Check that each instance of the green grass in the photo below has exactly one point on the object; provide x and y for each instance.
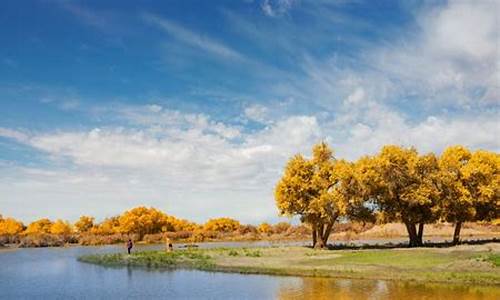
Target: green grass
(494, 259)
(402, 258)
(153, 259)
(468, 265)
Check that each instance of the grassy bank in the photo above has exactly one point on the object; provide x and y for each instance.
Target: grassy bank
(463, 264)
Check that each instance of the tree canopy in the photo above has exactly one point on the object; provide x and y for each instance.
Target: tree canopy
(395, 185)
(317, 190)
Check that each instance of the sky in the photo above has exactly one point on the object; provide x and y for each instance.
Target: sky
(194, 107)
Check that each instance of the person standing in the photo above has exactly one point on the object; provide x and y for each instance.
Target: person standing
(129, 245)
(168, 244)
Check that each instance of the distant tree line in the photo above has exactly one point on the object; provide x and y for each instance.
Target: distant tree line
(140, 223)
(395, 185)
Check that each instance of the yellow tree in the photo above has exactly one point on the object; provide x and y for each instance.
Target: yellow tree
(175, 224)
(39, 226)
(405, 188)
(471, 183)
(10, 226)
(84, 224)
(61, 227)
(222, 225)
(107, 227)
(348, 191)
(310, 189)
(142, 220)
(482, 175)
(265, 228)
(457, 204)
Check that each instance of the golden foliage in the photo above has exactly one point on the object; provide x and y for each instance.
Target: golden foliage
(318, 190)
(10, 226)
(221, 225)
(397, 184)
(265, 228)
(84, 224)
(107, 227)
(471, 184)
(39, 226)
(61, 227)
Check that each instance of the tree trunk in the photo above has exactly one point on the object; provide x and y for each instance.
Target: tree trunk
(412, 234)
(420, 234)
(326, 234)
(314, 234)
(320, 244)
(456, 234)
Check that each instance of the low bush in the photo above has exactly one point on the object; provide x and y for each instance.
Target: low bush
(9, 239)
(179, 235)
(94, 239)
(44, 240)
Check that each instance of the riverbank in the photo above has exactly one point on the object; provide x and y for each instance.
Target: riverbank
(468, 264)
(344, 234)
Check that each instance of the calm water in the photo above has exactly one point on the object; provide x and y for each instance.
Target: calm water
(54, 273)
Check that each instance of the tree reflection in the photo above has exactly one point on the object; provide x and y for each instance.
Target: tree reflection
(343, 289)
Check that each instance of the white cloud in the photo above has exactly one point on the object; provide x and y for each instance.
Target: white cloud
(452, 61)
(189, 161)
(155, 108)
(356, 97)
(202, 144)
(256, 112)
(184, 165)
(453, 57)
(464, 29)
(366, 129)
(13, 134)
(69, 104)
(274, 8)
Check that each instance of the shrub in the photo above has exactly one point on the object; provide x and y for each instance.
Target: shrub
(281, 227)
(93, 239)
(179, 235)
(246, 229)
(265, 228)
(299, 231)
(222, 225)
(42, 240)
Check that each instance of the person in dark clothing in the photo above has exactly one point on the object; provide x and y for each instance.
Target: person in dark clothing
(129, 245)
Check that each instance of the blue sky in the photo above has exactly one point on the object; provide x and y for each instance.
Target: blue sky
(195, 106)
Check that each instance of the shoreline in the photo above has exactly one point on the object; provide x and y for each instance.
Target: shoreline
(466, 264)
(334, 244)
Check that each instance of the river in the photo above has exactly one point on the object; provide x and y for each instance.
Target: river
(55, 273)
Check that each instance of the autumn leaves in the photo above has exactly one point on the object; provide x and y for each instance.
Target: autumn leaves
(396, 185)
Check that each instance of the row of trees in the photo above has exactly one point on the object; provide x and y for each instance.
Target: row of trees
(395, 185)
(139, 221)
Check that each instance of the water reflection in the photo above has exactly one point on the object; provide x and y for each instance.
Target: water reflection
(323, 288)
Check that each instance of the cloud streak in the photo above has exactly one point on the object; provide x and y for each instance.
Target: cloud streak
(192, 38)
